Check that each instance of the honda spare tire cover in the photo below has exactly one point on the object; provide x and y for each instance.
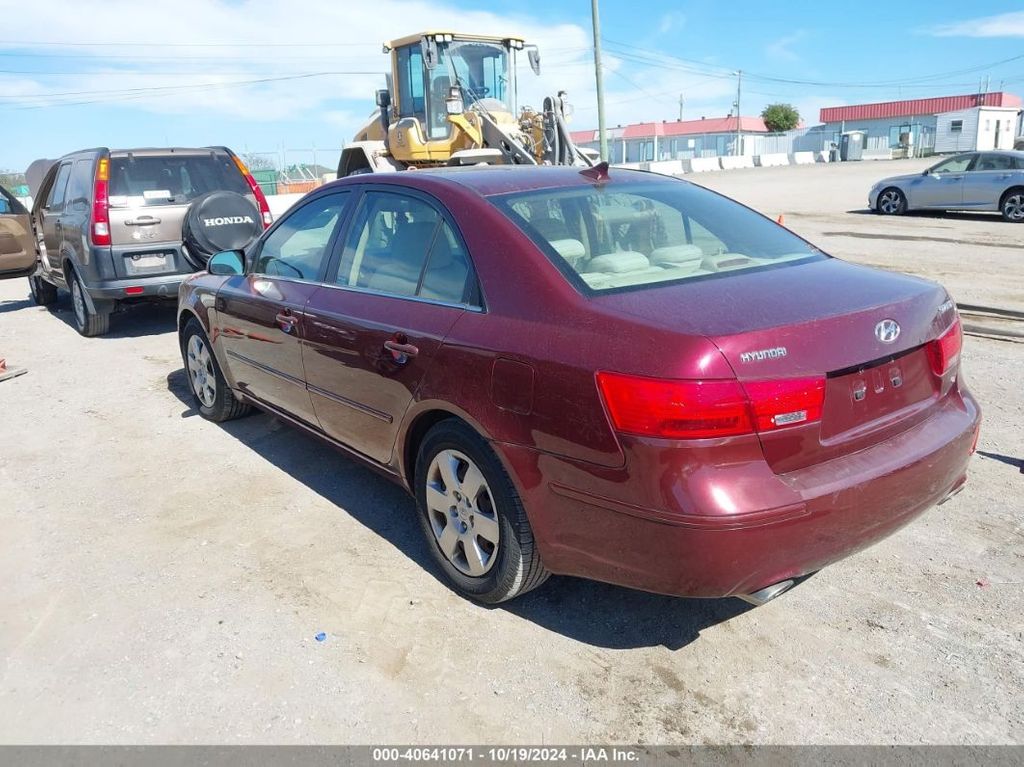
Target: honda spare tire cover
(219, 221)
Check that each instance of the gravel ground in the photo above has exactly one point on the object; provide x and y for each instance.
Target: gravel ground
(165, 578)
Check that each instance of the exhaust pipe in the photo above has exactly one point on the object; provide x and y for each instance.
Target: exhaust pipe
(768, 593)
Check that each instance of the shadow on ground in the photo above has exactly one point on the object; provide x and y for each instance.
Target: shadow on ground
(598, 614)
(990, 217)
(1017, 463)
(133, 321)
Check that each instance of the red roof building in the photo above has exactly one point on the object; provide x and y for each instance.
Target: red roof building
(917, 107)
(675, 128)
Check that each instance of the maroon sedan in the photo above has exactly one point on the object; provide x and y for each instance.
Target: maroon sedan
(613, 375)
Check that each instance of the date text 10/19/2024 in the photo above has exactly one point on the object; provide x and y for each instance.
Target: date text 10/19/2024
(504, 754)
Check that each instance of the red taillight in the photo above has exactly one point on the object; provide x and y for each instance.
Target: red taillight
(261, 199)
(785, 402)
(673, 409)
(99, 230)
(136, 290)
(944, 351)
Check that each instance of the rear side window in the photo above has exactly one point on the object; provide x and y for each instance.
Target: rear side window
(403, 246)
(995, 162)
(636, 235)
(79, 185)
(55, 201)
(171, 179)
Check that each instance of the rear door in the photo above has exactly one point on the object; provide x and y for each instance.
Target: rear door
(260, 316)
(404, 278)
(985, 183)
(17, 242)
(943, 186)
(50, 218)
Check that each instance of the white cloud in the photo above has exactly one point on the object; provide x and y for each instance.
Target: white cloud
(781, 49)
(671, 22)
(1002, 25)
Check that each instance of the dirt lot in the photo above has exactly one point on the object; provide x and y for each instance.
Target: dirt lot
(164, 578)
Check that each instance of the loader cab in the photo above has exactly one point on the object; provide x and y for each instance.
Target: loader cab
(440, 74)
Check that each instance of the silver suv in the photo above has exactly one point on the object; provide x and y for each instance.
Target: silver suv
(120, 226)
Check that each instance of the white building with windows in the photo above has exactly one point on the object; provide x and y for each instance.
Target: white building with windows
(979, 128)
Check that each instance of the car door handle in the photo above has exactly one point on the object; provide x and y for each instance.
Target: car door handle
(400, 350)
(286, 320)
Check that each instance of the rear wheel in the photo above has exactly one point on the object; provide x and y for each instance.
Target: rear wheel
(1012, 205)
(87, 322)
(892, 202)
(214, 399)
(43, 292)
(472, 516)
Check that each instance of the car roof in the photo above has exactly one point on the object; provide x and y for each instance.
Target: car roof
(488, 180)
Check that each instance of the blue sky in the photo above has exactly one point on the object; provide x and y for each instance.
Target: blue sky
(157, 72)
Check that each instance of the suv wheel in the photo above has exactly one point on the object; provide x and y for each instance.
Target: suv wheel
(43, 292)
(214, 399)
(87, 322)
(472, 517)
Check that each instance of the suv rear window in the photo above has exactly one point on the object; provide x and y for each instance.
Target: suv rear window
(634, 235)
(171, 179)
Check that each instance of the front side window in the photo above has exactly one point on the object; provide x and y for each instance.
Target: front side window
(634, 235)
(411, 102)
(299, 245)
(954, 165)
(402, 246)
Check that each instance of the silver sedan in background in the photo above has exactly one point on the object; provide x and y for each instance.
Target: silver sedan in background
(973, 181)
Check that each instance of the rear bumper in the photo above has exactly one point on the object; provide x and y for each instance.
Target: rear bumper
(161, 287)
(828, 511)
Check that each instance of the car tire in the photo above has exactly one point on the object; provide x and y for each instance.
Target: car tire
(476, 527)
(87, 322)
(891, 202)
(213, 397)
(43, 293)
(1012, 205)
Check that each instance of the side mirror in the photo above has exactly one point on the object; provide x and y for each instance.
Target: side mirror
(533, 55)
(383, 99)
(227, 263)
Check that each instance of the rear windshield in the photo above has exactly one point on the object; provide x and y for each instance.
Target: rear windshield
(171, 179)
(636, 235)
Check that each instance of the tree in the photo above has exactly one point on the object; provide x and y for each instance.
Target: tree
(257, 161)
(779, 118)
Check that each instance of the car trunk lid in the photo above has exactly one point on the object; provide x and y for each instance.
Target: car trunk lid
(818, 320)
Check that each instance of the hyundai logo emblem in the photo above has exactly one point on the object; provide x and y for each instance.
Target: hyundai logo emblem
(887, 331)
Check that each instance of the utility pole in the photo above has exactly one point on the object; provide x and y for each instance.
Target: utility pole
(680, 107)
(739, 83)
(596, 19)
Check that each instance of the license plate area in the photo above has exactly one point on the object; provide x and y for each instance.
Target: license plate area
(147, 263)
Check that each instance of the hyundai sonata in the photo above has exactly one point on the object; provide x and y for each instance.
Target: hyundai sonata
(607, 374)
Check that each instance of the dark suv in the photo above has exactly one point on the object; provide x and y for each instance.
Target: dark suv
(119, 226)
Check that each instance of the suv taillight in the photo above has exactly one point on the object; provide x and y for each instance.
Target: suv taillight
(99, 230)
(944, 351)
(261, 199)
(675, 409)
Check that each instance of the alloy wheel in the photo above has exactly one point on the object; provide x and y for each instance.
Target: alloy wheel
(890, 202)
(201, 372)
(461, 511)
(78, 302)
(1013, 207)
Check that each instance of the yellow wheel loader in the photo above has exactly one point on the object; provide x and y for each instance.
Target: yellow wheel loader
(451, 99)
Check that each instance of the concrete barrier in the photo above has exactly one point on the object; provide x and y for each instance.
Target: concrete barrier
(877, 154)
(666, 167)
(771, 160)
(823, 156)
(704, 164)
(803, 158)
(733, 163)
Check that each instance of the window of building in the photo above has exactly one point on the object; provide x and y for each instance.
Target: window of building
(956, 126)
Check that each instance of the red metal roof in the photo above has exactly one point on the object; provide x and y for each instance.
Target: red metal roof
(676, 128)
(917, 107)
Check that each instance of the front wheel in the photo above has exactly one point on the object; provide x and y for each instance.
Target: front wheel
(214, 399)
(892, 202)
(87, 322)
(43, 292)
(472, 517)
(1012, 206)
